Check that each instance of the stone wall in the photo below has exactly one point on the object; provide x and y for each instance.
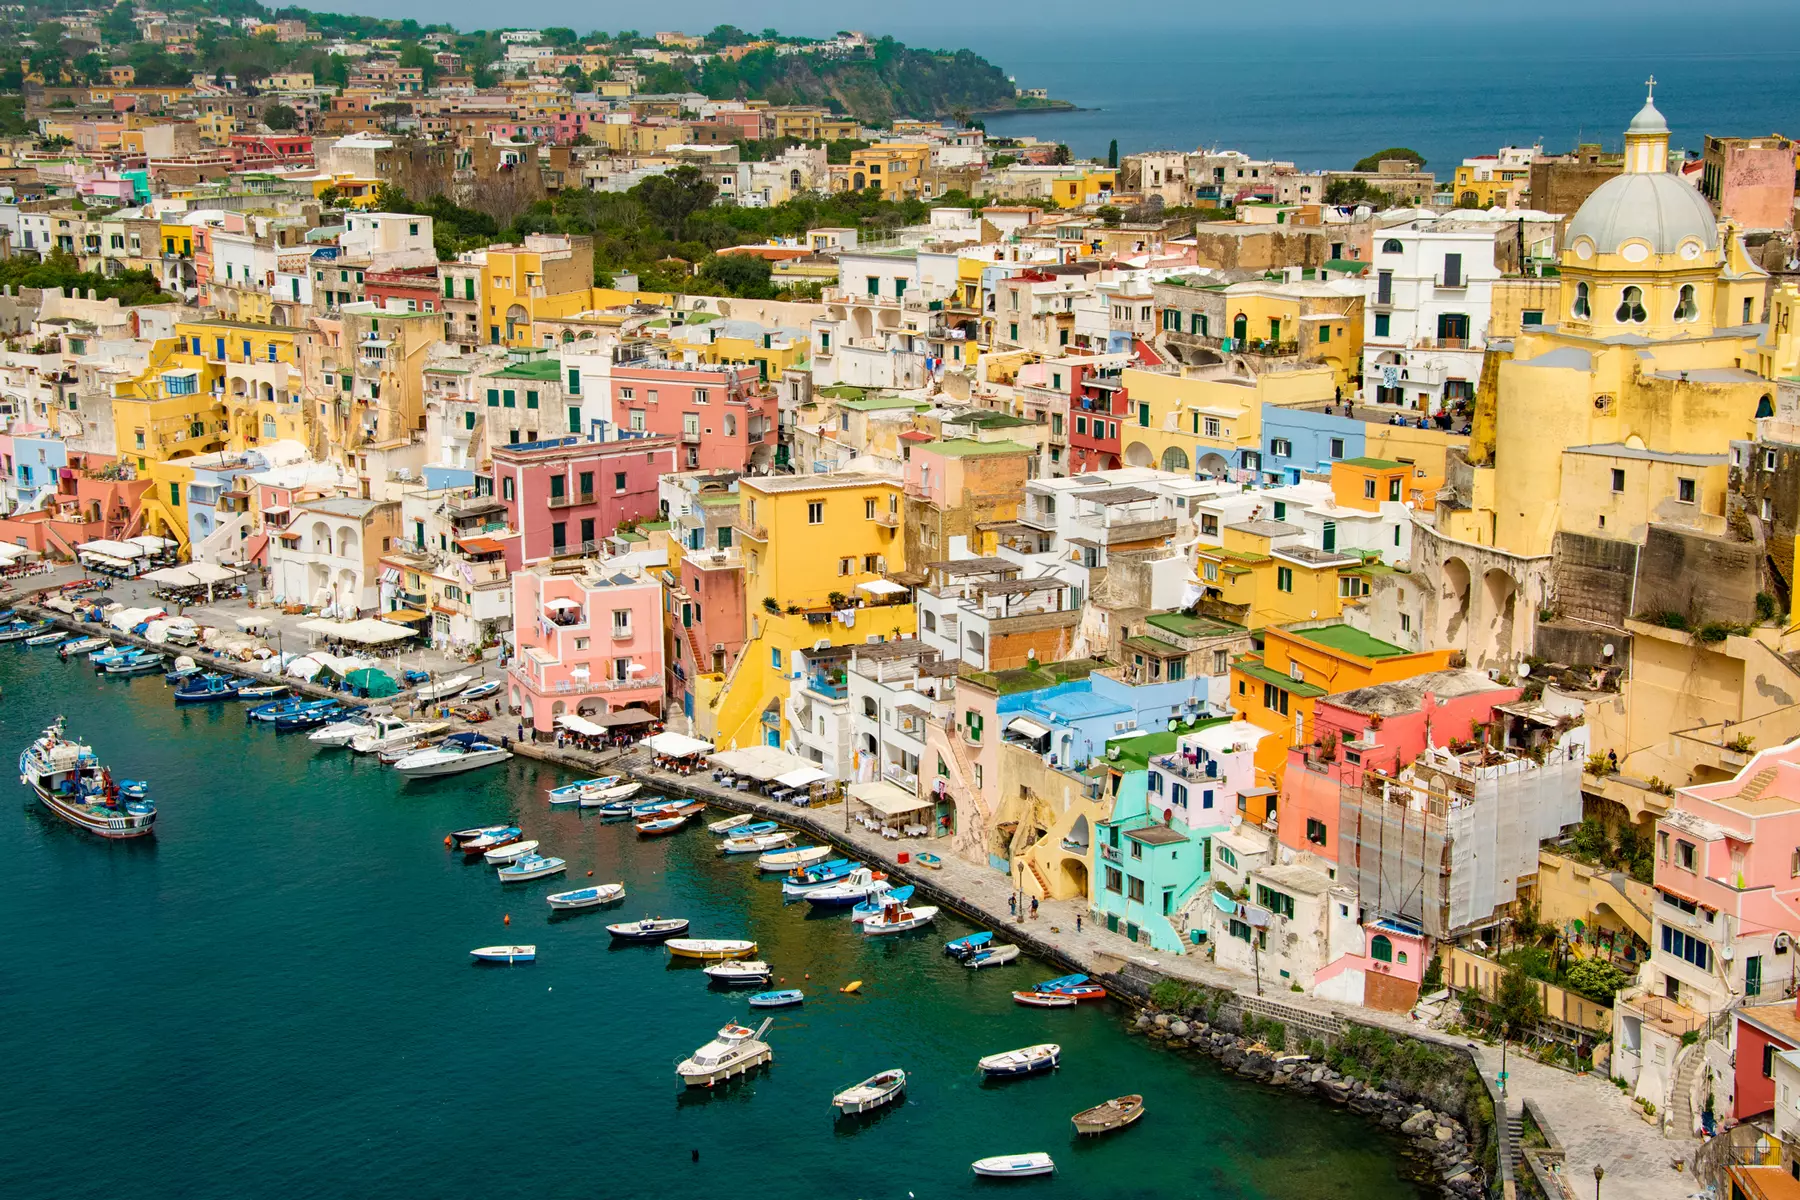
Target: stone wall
(1594, 579)
(1691, 573)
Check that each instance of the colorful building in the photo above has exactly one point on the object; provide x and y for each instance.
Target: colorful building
(588, 640)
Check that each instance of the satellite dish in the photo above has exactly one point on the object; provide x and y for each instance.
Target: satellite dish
(1524, 670)
(1607, 650)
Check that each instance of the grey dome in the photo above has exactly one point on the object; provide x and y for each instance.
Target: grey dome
(1656, 207)
(1648, 120)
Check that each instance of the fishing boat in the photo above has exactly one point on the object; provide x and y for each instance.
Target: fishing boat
(309, 718)
(1076, 987)
(339, 733)
(1086, 991)
(928, 860)
(501, 855)
(587, 897)
(756, 843)
(184, 667)
(734, 973)
(275, 708)
(734, 1051)
(847, 890)
(787, 860)
(482, 690)
(1059, 983)
(205, 688)
(45, 639)
(650, 929)
(737, 824)
(755, 829)
(660, 826)
(804, 881)
(444, 689)
(896, 917)
(457, 753)
(711, 947)
(71, 782)
(262, 691)
(469, 835)
(962, 947)
(390, 732)
(85, 645)
(18, 631)
(1014, 1166)
(481, 843)
(141, 663)
(609, 797)
(878, 899)
(993, 956)
(570, 793)
(1026, 1061)
(871, 1093)
(99, 658)
(785, 998)
(1044, 1000)
(1116, 1113)
(655, 808)
(531, 866)
(504, 954)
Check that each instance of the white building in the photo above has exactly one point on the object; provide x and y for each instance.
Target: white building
(324, 556)
(895, 688)
(389, 240)
(1430, 296)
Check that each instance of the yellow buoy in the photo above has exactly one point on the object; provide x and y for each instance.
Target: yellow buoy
(855, 985)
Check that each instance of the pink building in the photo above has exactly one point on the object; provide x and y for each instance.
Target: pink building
(1380, 727)
(564, 497)
(723, 415)
(586, 640)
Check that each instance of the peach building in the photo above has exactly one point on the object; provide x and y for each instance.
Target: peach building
(588, 638)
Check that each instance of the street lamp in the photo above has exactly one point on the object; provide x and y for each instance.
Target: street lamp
(1599, 1174)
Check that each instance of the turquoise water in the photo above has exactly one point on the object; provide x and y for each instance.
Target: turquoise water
(274, 997)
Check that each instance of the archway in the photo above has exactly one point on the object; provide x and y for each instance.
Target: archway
(1500, 596)
(1214, 465)
(1175, 459)
(1240, 328)
(1138, 455)
(1078, 836)
(1453, 599)
(1074, 873)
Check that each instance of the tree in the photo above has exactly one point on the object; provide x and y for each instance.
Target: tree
(1356, 191)
(744, 275)
(672, 198)
(1061, 156)
(1596, 979)
(1112, 154)
(1110, 215)
(1373, 162)
(280, 116)
(1517, 1006)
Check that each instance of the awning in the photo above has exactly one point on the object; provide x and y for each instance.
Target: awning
(253, 624)
(802, 777)
(481, 545)
(105, 560)
(581, 725)
(888, 799)
(276, 510)
(676, 745)
(10, 553)
(1028, 727)
(880, 587)
(152, 543)
(390, 575)
(406, 616)
(365, 631)
(761, 763)
(561, 605)
(125, 550)
(624, 717)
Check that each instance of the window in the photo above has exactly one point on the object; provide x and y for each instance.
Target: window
(1394, 495)
(1768, 509)
(1134, 888)
(1284, 579)
(1579, 309)
(621, 622)
(1392, 246)
(1749, 310)
(1081, 425)
(1211, 427)
(1368, 489)
(1210, 570)
(506, 488)
(531, 400)
(1531, 317)
(1315, 831)
(1684, 855)
(1222, 663)
(1685, 308)
(1687, 948)
(871, 563)
(508, 399)
(1281, 510)
(1275, 699)
(1281, 448)
(1381, 948)
(574, 382)
(846, 566)
(1337, 447)
(775, 657)
(1631, 307)
(1276, 902)
(559, 536)
(1115, 879)
(815, 512)
(1324, 334)
(1685, 490)
(1383, 325)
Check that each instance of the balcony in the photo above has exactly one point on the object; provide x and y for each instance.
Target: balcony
(621, 635)
(575, 549)
(1450, 283)
(576, 688)
(690, 437)
(822, 686)
(889, 519)
(567, 501)
(905, 779)
(756, 533)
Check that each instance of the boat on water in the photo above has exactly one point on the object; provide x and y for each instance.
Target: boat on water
(469, 835)
(962, 947)
(650, 929)
(482, 690)
(660, 826)
(878, 899)
(309, 718)
(339, 733)
(1044, 1000)
(1059, 983)
(1116, 1113)
(787, 860)
(1014, 1166)
(85, 645)
(736, 1050)
(711, 947)
(756, 843)
(570, 793)
(754, 829)
(455, 754)
(896, 917)
(993, 956)
(804, 881)
(141, 663)
(504, 954)
(277, 708)
(501, 855)
(737, 824)
(208, 687)
(1086, 991)
(737, 973)
(608, 798)
(785, 998)
(262, 691)
(1075, 987)
(873, 1092)
(71, 782)
(531, 866)
(1028, 1060)
(184, 667)
(587, 897)
(390, 732)
(105, 654)
(45, 639)
(18, 631)
(481, 843)
(847, 890)
(444, 689)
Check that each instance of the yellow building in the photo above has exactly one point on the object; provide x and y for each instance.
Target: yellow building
(291, 81)
(217, 127)
(1260, 567)
(1084, 187)
(1298, 318)
(546, 277)
(897, 168)
(351, 191)
(808, 541)
(177, 238)
(1208, 418)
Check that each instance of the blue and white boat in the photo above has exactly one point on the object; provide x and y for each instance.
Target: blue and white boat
(309, 718)
(108, 652)
(482, 690)
(1027, 1061)
(855, 886)
(810, 879)
(587, 897)
(574, 793)
(785, 998)
(962, 947)
(532, 866)
(45, 639)
(1061, 983)
(207, 687)
(18, 631)
(140, 662)
(70, 780)
(281, 708)
(82, 645)
(753, 829)
(878, 899)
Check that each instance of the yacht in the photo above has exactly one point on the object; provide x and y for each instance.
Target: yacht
(391, 733)
(735, 1051)
(455, 754)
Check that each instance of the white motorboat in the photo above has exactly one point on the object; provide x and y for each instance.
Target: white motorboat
(444, 689)
(587, 897)
(734, 972)
(734, 1051)
(857, 886)
(756, 843)
(1026, 1061)
(1014, 1166)
(610, 795)
(532, 866)
(500, 855)
(570, 793)
(993, 956)
(505, 954)
(898, 918)
(455, 754)
(871, 1093)
(341, 733)
(82, 646)
(787, 860)
(391, 733)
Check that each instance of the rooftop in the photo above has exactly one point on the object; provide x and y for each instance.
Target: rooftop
(1029, 679)
(1408, 695)
(1374, 464)
(542, 370)
(1349, 640)
(1183, 625)
(965, 448)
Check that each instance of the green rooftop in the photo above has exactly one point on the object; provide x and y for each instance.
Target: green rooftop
(1145, 644)
(540, 370)
(718, 498)
(842, 391)
(1135, 753)
(992, 420)
(1347, 265)
(1374, 464)
(1182, 625)
(965, 448)
(881, 404)
(1349, 640)
(1031, 679)
(1253, 667)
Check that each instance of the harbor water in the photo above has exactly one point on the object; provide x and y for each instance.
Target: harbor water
(274, 997)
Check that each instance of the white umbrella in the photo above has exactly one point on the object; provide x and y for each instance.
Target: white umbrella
(560, 605)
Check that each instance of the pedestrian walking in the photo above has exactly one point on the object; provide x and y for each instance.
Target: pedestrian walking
(1012, 905)
(1034, 908)
(1077, 922)
(521, 731)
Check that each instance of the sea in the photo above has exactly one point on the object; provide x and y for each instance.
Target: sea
(274, 997)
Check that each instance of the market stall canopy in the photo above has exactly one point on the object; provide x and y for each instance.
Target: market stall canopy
(888, 799)
(676, 745)
(10, 553)
(112, 549)
(881, 587)
(575, 723)
(626, 716)
(192, 575)
(803, 777)
(761, 763)
(149, 543)
(364, 631)
(252, 624)
(373, 683)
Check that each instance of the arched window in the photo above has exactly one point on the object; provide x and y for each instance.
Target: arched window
(1403, 958)
(1392, 246)
(1580, 309)
(1685, 308)
(1381, 949)
(1240, 327)
(1631, 307)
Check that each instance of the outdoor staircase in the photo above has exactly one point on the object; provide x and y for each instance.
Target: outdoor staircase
(1038, 874)
(215, 545)
(1678, 1121)
(1759, 783)
(1515, 1139)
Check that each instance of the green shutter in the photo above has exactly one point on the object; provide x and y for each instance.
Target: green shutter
(574, 419)
(508, 399)
(531, 399)
(493, 397)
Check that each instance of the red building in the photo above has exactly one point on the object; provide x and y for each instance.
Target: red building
(414, 289)
(253, 150)
(1763, 1031)
(722, 416)
(565, 496)
(1098, 402)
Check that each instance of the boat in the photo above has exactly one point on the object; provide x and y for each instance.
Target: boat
(531, 866)
(208, 687)
(1076, 987)
(18, 631)
(655, 808)
(896, 917)
(262, 691)
(787, 860)
(569, 793)
(754, 829)
(507, 853)
(736, 823)
(469, 835)
(1026, 1061)
(505, 954)
(650, 929)
(734, 973)
(660, 826)
(71, 782)
(472, 714)
(390, 732)
(711, 947)
(444, 690)
(587, 897)
(847, 890)
(133, 789)
(109, 652)
(1044, 1000)
(85, 645)
(141, 663)
(482, 690)
(44, 639)
(1087, 991)
(962, 947)
(339, 733)
(928, 860)
(310, 718)
(756, 843)
(871, 1093)
(878, 899)
(457, 753)
(481, 843)
(184, 667)
(607, 798)
(1059, 983)
(734, 1051)
(1014, 1166)
(1116, 1113)
(785, 998)
(803, 882)
(993, 956)
(276, 708)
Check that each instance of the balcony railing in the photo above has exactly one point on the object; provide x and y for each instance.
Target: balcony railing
(889, 519)
(690, 437)
(905, 779)
(759, 533)
(566, 501)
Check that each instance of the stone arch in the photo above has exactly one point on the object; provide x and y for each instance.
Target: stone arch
(1175, 459)
(1453, 598)
(1139, 455)
(1080, 833)
(1213, 464)
(1074, 873)
(1500, 599)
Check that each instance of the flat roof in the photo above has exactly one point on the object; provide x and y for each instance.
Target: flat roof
(1183, 625)
(1375, 464)
(966, 448)
(1350, 640)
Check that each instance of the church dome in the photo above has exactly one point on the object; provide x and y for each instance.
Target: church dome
(1648, 120)
(1654, 207)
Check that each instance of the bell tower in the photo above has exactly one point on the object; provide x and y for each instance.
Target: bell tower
(1647, 138)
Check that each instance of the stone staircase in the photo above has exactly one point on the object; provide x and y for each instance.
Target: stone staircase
(1678, 1121)
(1758, 784)
(1515, 1140)
(1037, 874)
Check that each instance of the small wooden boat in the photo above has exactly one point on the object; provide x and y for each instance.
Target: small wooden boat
(532, 866)
(45, 639)
(1116, 1113)
(787, 860)
(993, 956)
(445, 689)
(756, 843)
(735, 1051)
(606, 797)
(1085, 991)
(482, 690)
(1044, 1000)
(753, 830)
(962, 947)
(929, 861)
(68, 650)
(205, 688)
(650, 929)
(660, 826)
(736, 973)
(1026, 1061)
(505, 954)
(803, 882)
(262, 691)
(871, 1093)
(711, 947)
(898, 918)
(1014, 1166)
(501, 855)
(570, 793)
(872, 907)
(785, 998)
(587, 897)
(469, 835)
(470, 714)
(18, 631)
(1059, 983)
(139, 664)
(731, 824)
(506, 835)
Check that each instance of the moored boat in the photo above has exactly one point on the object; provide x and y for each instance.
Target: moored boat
(1028, 1060)
(532, 866)
(70, 649)
(1044, 1000)
(660, 826)
(1085, 991)
(734, 1051)
(738, 972)
(849, 889)
(1014, 1166)
(616, 798)
(262, 691)
(204, 688)
(309, 718)
(457, 753)
(445, 689)
(501, 855)
(504, 954)
(804, 881)
(896, 917)
(140, 662)
(737, 823)
(388, 732)
(962, 947)
(650, 929)
(469, 835)
(756, 843)
(18, 631)
(571, 793)
(993, 956)
(481, 843)
(71, 782)
(784, 998)
(880, 898)
(277, 708)
(45, 639)
(340, 733)
(708, 948)
(787, 860)
(873, 1092)
(1116, 1113)
(587, 897)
